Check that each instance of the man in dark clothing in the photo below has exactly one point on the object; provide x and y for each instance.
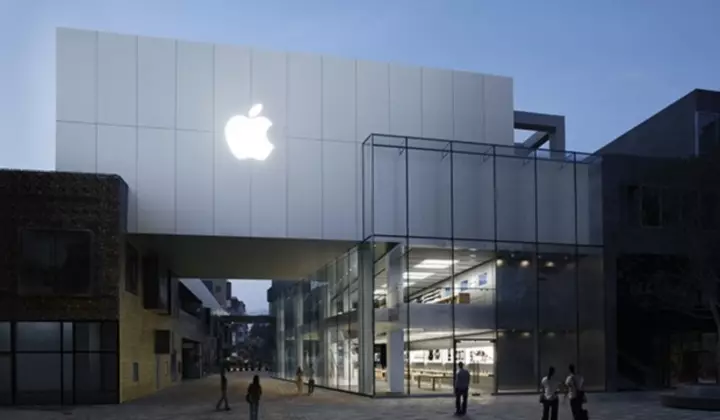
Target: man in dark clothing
(223, 392)
(462, 385)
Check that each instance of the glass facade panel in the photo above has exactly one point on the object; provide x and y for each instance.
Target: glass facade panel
(38, 336)
(591, 317)
(5, 336)
(5, 379)
(50, 369)
(38, 378)
(475, 253)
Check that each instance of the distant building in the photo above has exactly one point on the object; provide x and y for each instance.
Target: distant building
(239, 331)
(221, 290)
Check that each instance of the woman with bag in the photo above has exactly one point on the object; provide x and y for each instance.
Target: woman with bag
(254, 392)
(549, 396)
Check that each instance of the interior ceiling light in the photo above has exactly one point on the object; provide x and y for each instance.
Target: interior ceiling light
(499, 261)
(436, 263)
(416, 275)
(524, 263)
(549, 264)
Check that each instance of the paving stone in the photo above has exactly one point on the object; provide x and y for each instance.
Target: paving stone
(196, 400)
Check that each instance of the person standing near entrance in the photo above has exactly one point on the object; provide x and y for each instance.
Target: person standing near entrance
(462, 385)
(549, 396)
(299, 380)
(223, 392)
(254, 392)
(310, 373)
(575, 392)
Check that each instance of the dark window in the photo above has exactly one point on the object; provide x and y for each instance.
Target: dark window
(95, 336)
(4, 337)
(671, 201)
(650, 207)
(162, 342)
(55, 262)
(132, 269)
(709, 207)
(632, 205)
(708, 133)
(38, 336)
(690, 206)
(136, 372)
(38, 378)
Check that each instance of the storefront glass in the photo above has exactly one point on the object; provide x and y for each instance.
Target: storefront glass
(474, 253)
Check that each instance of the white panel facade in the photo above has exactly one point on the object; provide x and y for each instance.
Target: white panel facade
(157, 71)
(305, 189)
(304, 97)
(194, 183)
(437, 104)
(169, 102)
(195, 86)
(76, 147)
(156, 181)
(117, 80)
(117, 151)
(76, 75)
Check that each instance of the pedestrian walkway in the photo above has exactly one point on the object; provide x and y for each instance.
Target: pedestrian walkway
(195, 400)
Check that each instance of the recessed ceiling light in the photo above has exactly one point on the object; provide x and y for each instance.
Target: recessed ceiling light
(524, 263)
(436, 263)
(549, 264)
(416, 275)
(499, 262)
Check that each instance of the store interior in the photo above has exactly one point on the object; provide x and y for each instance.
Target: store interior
(432, 326)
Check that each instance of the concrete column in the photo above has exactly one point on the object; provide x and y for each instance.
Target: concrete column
(299, 298)
(396, 339)
(366, 308)
(280, 335)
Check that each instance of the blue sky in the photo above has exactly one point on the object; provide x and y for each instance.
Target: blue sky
(606, 65)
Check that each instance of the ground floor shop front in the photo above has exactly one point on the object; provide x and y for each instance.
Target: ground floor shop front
(393, 318)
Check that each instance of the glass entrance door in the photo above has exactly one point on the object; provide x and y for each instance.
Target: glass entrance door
(478, 355)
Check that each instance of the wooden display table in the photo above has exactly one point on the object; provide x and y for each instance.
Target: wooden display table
(433, 378)
(459, 298)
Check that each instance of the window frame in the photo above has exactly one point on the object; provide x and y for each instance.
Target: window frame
(135, 289)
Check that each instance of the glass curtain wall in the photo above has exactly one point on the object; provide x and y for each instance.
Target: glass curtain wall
(61, 363)
(481, 254)
(327, 327)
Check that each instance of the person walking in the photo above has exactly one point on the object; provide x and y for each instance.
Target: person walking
(254, 392)
(575, 392)
(462, 385)
(223, 392)
(299, 379)
(549, 396)
(310, 373)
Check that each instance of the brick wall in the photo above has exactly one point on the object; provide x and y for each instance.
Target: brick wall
(64, 201)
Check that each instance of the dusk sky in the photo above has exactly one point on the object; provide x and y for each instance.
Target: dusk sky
(606, 65)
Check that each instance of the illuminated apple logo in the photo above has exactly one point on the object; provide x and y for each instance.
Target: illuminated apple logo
(247, 136)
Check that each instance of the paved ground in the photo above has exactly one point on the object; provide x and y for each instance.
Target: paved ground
(195, 400)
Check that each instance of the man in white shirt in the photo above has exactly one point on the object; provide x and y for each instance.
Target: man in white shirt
(549, 398)
(574, 384)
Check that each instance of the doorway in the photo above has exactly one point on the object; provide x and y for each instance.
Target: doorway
(478, 355)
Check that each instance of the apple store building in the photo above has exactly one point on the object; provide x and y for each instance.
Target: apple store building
(404, 224)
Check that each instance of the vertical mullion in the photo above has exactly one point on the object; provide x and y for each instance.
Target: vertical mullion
(405, 253)
(452, 260)
(535, 262)
(495, 246)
